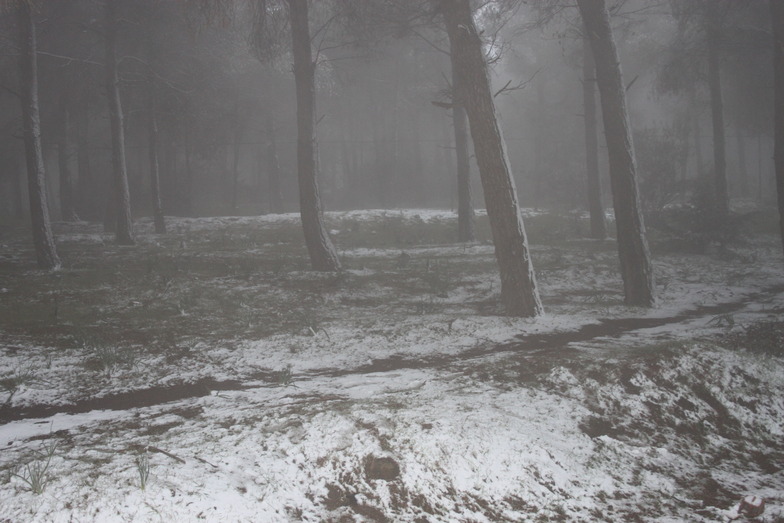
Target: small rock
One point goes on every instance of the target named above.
(752, 506)
(384, 468)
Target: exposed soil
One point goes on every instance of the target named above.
(528, 348)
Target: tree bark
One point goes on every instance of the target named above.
(593, 183)
(320, 249)
(743, 172)
(64, 156)
(122, 196)
(235, 155)
(636, 269)
(155, 177)
(465, 208)
(16, 187)
(518, 282)
(43, 240)
(777, 20)
(713, 31)
(85, 179)
(274, 194)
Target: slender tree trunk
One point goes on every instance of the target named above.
(722, 200)
(743, 172)
(322, 253)
(85, 182)
(43, 240)
(274, 194)
(155, 177)
(188, 185)
(465, 208)
(777, 20)
(696, 131)
(379, 154)
(122, 198)
(235, 155)
(636, 269)
(16, 187)
(593, 186)
(64, 156)
(518, 283)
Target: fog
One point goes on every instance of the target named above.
(382, 143)
(391, 260)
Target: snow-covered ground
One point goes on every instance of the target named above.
(390, 392)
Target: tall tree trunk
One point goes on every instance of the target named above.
(186, 205)
(465, 208)
(722, 200)
(777, 19)
(155, 177)
(235, 155)
(322, 253)
(274, 194)
(16, 187)
(518, 283)
(379, 158)
(43, 240)
(633, 252)
(696, 133)
(122, 196)
(85, 182)
(64, 156)
(593, 185)
(743, 172)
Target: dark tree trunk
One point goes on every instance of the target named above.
(122, 196)
(379, 159)
(743, 172)
(518, 283)
(155, 178)
(322, 253)
(777, 19)
(187, 190)
(465, 208)
(274, 194)
(64, 156)
(235, 155)
(722, 200)
(593, 185)
(85, 182)
(636, 269)
(16, 187)
(43, 240)
(696, 129)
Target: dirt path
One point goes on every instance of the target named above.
(527, 349)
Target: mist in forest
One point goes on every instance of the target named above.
(226, 109)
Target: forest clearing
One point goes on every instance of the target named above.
(267, 261)
(252, 389)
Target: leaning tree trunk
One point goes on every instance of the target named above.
(155, 176)
(777, 19)
(722, 200)
(593, 185)
(274, 194)
(518, 283)
(636, 269)
(465, 209)
(322, 253)
(64, 156)
(43, 240)
(122, 196)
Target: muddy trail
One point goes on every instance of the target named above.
(531, 355)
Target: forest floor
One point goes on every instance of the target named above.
(207, 374)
